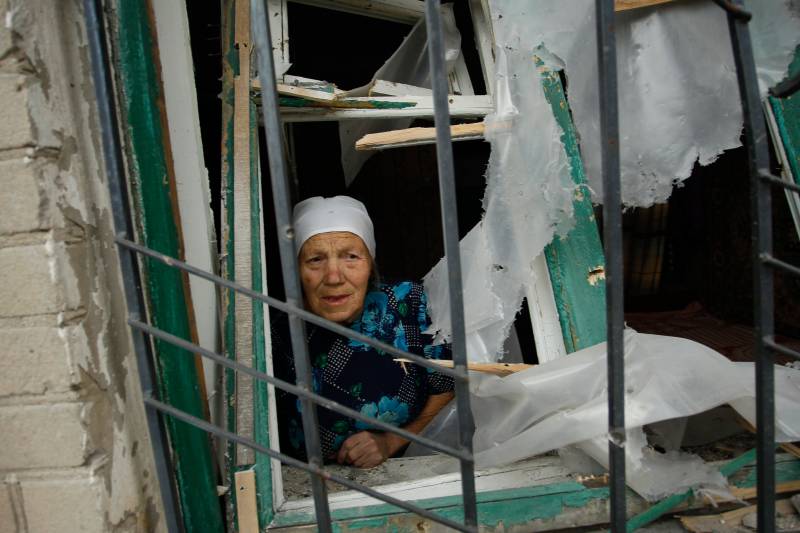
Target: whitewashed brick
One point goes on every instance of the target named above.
(19, 197)
(39, 436)
(64, 506)
(34, 361)
(5, 44)
(16, 129)
(38, 279)
(8, 523)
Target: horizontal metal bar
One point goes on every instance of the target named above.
(290, 309)
(775, 180)
(294, 389)
(770, 260)
(779, 348)
(291, 461)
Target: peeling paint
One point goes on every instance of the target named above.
(596, 275)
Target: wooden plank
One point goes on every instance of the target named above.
(729, 519)
(417, 136)
(405, 11)
(246, 506)
(746, 493)
(387, 107)
(624, 5)
(242, 235)
(391, 88)
(308, 94)
(278, 17)
(497, 369)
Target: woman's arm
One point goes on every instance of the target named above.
(368, 449)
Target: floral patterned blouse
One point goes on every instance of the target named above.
(359, 376)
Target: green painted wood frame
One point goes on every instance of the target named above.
(787, 116)
(155, 212)
(575, 261)
(262, 467)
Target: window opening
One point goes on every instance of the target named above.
(764, 258)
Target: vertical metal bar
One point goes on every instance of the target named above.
(444, 156)
(291, 279)
(612, 242)
(120, 208)
(761, 238)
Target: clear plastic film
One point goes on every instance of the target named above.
(528, 199)
(408, 65)
(564, 403)
(678, 95)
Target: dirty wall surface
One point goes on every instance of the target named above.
(74, 453)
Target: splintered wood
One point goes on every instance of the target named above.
(624, 5)
(416, 136)
(242, 245)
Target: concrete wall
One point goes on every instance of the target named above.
(74, 450)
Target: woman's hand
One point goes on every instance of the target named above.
(365, 450)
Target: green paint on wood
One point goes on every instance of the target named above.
(787, 116)
(293, 101)
(784, 471)
(263, 472)
(230, 66)
(575, 261)
(177, 375)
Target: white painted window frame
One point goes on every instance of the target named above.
(544, 315)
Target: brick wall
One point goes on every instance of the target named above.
(74, 451)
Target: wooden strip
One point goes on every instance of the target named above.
(498, 369)
(409, 136)
(242, 246)
(386, 107)
(787, 446)
(246, 507)
(308, 94)
(729, 519)
(391, 88)
(745, 493)
(624, 5)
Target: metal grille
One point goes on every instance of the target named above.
(764, 263)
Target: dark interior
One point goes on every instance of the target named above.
(694, 250)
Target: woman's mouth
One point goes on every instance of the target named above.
(336, 300)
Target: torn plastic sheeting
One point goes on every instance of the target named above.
(528, 198)
(408, 65)
(564, 402)
(678, 95)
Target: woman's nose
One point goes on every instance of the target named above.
(333, 274)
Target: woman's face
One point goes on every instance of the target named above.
(334, 270)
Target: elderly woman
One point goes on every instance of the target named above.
(336, 256)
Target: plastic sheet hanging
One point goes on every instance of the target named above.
(407, 65)
(678, 95)
(528, 199)
(564, 403)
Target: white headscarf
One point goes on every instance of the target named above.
(340, 213)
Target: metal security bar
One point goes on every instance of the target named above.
(299, 316)
(612, 244)
(293, 304)
(764, 263)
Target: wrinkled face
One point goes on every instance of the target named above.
(334, 270)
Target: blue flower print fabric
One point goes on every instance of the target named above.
(358, 376)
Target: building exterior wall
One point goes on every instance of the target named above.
(74, 449)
